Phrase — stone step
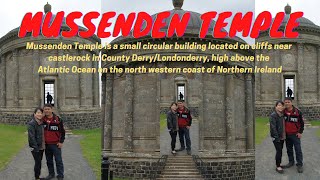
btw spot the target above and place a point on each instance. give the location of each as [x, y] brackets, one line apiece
[191, 173]
[68, 131]
[180, 164]
[307, 123]
[181, 176]
[179, 167]
[181, 170]
[180, 160]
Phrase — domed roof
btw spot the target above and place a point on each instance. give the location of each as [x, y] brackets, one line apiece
[193, 27]
[303, 22]
[47, 8]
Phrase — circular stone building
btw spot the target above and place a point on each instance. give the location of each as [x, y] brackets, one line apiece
[222, 105]
[301, 70]
[75, 97]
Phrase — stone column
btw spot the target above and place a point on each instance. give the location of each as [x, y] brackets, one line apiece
[2, 81]
[318, 60]
[199, 77]
[96, 100]
[128, 121]
[258, 79]
[300, 84]
[277, 64]
[36, 79]
[61, 94]
[103, 110]
[108, 112]
[230, 129]
[15, 75]
[249, 114]
[82, 82]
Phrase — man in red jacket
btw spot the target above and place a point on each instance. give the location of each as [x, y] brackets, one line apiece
[294, 127]
[54, 134]
[184, 123]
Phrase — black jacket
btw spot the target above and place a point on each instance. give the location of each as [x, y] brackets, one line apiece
[35, 135]
[172, 120]
[276, 126]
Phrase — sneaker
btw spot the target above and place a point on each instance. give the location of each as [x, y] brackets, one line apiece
[181, 149]
[279, 170]
[189, 152]
[300, 169]
[290, 164]
[174, 152]
[49, 177]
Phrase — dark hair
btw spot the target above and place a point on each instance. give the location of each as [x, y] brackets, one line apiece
[38, 109]
[279, 102]
[181, 101]
[47, 105]
[173, 104]
[288, 98]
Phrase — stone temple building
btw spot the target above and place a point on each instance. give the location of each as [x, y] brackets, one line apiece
[223, 105]
[75, 97]
[301, 71]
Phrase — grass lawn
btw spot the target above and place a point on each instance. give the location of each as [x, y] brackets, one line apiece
[163, 122]
[12, 140]
[315, 123]
[91, 148]
[262, 129]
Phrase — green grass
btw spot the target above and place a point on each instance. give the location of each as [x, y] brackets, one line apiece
[91, 148]
[315, 123]
[262, 129]
[163, 122]
[12, 140]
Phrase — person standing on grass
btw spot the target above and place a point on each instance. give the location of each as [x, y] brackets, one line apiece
[54, 137]
[184, 122]
[294, 126]
[36, 140]
[277, 132]
[172, 125]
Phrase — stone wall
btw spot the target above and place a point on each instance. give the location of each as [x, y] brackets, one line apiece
[86, 120]
[230, 170]
[129, 169]
[263, 111]
[15, 119]
[72, 120]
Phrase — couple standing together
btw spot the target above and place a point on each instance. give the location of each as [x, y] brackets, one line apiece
[286, 125]
[46, 134]
[178, 122]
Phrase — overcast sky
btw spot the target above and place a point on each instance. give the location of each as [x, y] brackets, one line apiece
[13, 11]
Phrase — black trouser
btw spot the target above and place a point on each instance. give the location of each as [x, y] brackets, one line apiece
[294, 141]
[279, 147]
[37, 156]
[52, 150]
[173, 135]
[184, 133]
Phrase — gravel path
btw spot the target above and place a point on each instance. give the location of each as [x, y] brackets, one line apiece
[265, 159]
[76, 167]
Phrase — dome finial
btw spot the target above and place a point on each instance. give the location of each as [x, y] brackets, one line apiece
[177, 4]
[287, 9]
[47, 8]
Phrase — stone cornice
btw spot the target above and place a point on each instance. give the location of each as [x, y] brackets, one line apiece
[13, 35]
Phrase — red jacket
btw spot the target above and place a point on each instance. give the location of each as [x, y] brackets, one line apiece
[54, 132]
[184, 117]
[293, 121]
